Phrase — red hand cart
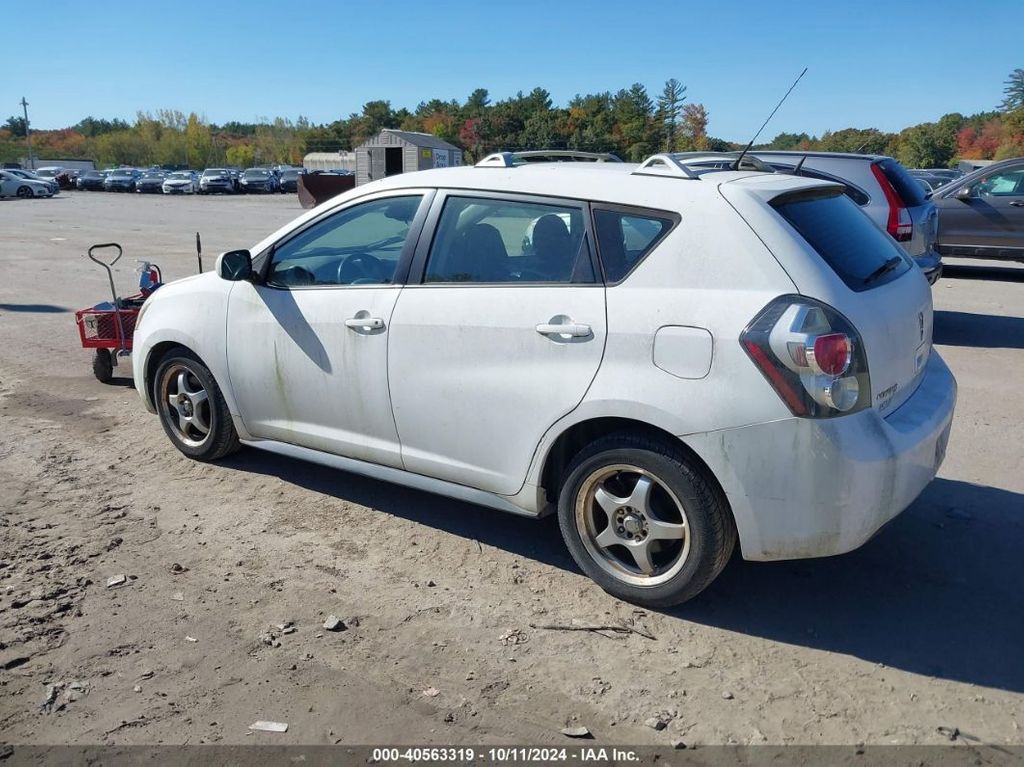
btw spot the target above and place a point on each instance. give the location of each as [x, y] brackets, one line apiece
[107, 328]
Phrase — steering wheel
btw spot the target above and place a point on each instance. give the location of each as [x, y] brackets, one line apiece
[359, 266]
[530, 275]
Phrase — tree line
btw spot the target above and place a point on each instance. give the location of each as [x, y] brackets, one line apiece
[630, 123]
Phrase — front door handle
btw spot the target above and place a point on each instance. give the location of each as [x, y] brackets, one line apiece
[571, 329]
[1017, 203]
[365, 323]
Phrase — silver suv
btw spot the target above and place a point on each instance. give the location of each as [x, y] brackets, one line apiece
[883, 189]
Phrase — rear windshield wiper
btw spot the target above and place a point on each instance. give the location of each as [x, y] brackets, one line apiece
[888, 266]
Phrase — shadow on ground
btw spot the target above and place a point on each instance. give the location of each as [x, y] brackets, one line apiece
[34, 308]
[937, 593]
[972, 272]
[985, 331]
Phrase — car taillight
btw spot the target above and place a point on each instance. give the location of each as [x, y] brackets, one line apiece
[811, 355]
[899, 224]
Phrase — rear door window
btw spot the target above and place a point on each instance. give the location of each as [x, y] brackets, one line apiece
[848, 241]
[482, 240]
[624, 238]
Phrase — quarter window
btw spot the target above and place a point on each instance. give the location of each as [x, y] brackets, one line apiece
[623, 239]
[482, 240]
[360, 245]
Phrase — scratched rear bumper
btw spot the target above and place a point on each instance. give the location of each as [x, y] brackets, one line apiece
[812, 488]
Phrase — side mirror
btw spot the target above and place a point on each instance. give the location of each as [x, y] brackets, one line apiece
[234, 265]
[963, 193]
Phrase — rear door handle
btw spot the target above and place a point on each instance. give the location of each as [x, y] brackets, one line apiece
[572, 329]
[365, 323]
[1017, 203]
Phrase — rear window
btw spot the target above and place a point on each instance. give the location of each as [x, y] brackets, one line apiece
[904, 184]
[848, 241]
[625, 237]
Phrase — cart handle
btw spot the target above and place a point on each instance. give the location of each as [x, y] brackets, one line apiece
[106, 245]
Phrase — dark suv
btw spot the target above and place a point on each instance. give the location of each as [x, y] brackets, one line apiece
[982, 214]
[883, 189]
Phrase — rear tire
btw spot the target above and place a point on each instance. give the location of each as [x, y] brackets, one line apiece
[192, 409]
[103, 365]
[644, 520]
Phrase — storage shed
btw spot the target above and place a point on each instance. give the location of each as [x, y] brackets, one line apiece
[398, 151]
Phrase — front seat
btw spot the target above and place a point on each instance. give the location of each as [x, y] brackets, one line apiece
[552, 246]
[481, 257]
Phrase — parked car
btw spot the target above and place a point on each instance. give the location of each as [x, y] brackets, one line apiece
[18, 186]
[151, 181]
[290, 179]
[92, 180]
[27, 174]
[950, 174]
[181, 182]
[50, 172]
[216, 180]
[883, 189]
[982, 214]
[259, 181]
[932, 181]
[121, 180]
[670, 361]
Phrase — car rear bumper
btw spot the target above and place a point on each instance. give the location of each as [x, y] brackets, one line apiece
[811, 488]
[930, 263]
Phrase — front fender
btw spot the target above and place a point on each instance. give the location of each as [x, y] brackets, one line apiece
[191, 313]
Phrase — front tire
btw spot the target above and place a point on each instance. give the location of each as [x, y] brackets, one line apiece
[644, 520]
[192, 409]
[24, 192]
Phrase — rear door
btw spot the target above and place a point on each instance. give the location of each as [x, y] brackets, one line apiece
[498, 334]
[990, 221]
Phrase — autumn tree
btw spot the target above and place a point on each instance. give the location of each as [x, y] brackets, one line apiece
[198, 142]
[695, 126]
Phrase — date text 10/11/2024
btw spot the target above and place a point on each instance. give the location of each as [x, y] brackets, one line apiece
[503, 754]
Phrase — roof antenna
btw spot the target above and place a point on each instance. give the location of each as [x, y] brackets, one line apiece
[199, 252]
[736, 165]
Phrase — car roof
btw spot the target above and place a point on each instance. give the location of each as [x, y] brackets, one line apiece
[825, 155]
[602, 182]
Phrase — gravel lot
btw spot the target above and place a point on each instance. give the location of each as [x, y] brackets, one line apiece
[921, 629]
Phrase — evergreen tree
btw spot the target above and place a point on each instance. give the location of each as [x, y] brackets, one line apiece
[670, 107]
[1014, 91]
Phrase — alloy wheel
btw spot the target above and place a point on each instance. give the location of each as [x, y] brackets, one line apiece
[632, 525]
[186, 405]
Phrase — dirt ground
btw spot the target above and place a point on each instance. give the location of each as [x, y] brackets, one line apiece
[921, 629]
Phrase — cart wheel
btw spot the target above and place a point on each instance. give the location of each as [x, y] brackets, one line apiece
[103, 365]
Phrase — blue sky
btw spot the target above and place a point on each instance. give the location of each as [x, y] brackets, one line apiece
[871, 64]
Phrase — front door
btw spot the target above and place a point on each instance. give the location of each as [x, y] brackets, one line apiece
[498, 334]
[307, 343]
[990, 221]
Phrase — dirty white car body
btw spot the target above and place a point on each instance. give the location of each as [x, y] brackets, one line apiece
[493, 391]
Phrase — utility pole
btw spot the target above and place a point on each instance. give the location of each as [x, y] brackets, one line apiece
[28, 134]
